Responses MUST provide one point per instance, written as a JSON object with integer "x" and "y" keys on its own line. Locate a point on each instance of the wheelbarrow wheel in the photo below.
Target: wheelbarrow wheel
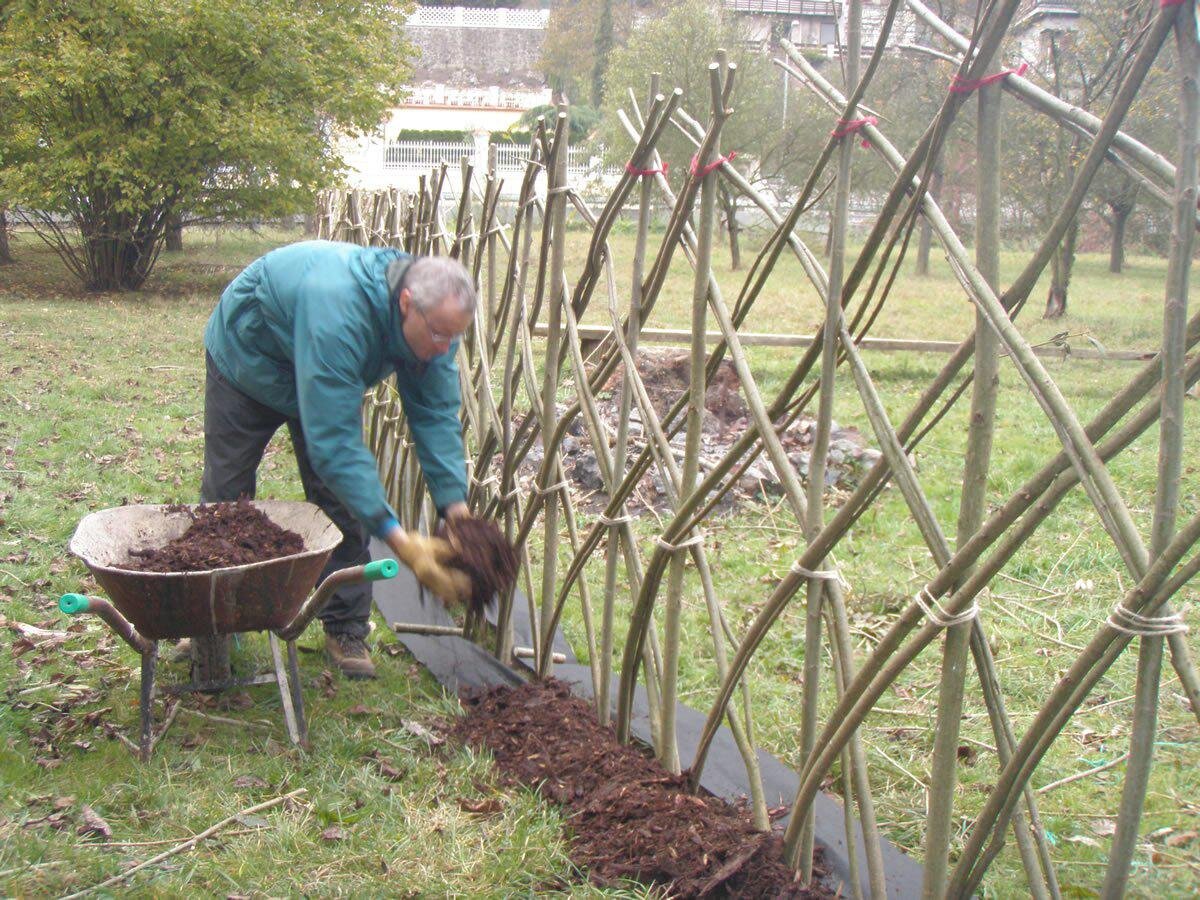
{"x": 210, "y": 660}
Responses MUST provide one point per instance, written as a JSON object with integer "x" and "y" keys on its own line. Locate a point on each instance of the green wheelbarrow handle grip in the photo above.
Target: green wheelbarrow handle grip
{"x": 380, "y": 570}
{"x": 73, "y": 604}
{"x": 372, "y": 571}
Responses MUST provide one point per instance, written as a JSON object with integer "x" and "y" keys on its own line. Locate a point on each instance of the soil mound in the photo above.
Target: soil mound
{"x": 221, "y": 535}
{"x": 631, "y": 819}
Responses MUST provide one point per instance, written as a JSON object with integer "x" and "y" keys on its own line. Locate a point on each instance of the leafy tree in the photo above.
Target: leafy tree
{"x": 1084, "y": 67}
{"x": 121, "y": 114}
{"x": 579, "y": 39}
{"x": 774, "y": 137}
{"x": 604, "y": 44}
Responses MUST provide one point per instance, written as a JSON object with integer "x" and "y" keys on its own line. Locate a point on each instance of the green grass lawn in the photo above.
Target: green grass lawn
{"x": 101, "y": 403}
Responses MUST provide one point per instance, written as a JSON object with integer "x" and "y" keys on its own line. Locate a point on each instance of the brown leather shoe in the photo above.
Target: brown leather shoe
{"x": 350, "y": 655}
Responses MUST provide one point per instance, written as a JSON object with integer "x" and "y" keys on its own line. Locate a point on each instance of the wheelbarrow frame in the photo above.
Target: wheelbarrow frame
{"x": 166, "y": 604}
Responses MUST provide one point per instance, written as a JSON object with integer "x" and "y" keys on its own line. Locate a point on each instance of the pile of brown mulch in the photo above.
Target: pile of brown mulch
{"x": 221, "y": 535}
{"x": 630, "y": 818}
{"x": 484, "y": 553}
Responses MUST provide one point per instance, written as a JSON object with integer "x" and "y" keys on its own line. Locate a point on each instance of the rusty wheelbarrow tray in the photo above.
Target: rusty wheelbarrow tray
{"x": 275, "y": 596}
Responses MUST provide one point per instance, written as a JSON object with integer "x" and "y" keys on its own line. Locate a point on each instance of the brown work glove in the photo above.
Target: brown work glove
{"x": 427, "y": 557}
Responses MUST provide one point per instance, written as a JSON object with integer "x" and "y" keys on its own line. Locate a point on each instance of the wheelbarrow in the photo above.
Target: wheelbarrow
{"x": 276, "y": 596}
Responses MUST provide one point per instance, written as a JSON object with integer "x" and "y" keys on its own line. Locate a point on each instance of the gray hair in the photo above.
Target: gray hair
{"x": 432, "y": 279}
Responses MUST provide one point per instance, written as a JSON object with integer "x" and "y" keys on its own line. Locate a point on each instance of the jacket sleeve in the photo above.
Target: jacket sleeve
{"x": 431, "y": 403}
{"x": 329, "y": 392}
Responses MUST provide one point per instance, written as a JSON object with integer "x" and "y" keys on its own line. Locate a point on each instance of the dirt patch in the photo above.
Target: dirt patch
{"x": 221, "y": 535}
{"x": 482, "y": 551}
{"x": 667, "y": 375}
{"x": 630, "y": 818}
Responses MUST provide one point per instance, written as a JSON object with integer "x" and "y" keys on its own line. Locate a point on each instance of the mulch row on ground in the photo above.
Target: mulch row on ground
{"x": 630, "y": 819}
{"x": 221, "y": 535}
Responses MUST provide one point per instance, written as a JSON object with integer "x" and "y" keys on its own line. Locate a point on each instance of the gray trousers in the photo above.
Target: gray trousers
{"x": 237, "y": 429}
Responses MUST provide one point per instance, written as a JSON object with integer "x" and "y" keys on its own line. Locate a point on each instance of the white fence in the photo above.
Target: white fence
{"x": 423, "y": 155}
{"x": 418, "y": 157}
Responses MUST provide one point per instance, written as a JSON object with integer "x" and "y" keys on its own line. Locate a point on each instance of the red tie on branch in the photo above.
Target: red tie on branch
{"x": 849, "y": 126}
{"x": 967, "y": 85}
{"x": 645, "y": 173}
{"x": 1167, "y": 4}
{"x": 699, "y": 172}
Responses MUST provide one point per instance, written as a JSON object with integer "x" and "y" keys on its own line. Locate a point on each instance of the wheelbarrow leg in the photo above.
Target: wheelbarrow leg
{"x": 149, "y": 664}
{"x": 285, "y": 691}
{"x": 297, "y": 694}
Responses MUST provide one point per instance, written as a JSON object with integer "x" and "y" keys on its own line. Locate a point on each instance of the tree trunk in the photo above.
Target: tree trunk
{"x": 1060, "y": 274}
{"x": 925, "y": 237}
{"x": 5, "y": 252}
{"x": 174, "y": 233}
{"x": 729, "y": 207}
{"x": 1116, "y": 252}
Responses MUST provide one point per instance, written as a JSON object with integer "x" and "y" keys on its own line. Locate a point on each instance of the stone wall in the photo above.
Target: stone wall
{"x": 471, "y": 56}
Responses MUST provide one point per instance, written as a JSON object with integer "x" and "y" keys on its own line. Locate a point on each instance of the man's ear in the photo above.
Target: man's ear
{"x": 405, "y": 301}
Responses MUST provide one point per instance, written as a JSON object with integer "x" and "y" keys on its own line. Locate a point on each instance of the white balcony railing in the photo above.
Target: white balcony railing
{"x": 463, "y": 17}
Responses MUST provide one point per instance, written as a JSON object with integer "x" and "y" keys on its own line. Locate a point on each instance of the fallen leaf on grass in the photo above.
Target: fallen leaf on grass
{"x": 416, "y": 729}
{"x": 485, "y": 806}
{"x": 252, "y": 821}
{"x": 64, "y": 802}
{"x": 249, "y": 781}
{"x": 386, "y": 769}
{"x": 361, "y": 709}
{"x": 93, "y": 824}
{"x": 1083, "y": 839}
{"x": 1105, "y": 827}
{"x": 236, "y": 700}
{"x": 325, "y": 684}
{"x": 1184, "y": 837}
{"x": 333, "y": 833}
{"x": 57, "y": 820}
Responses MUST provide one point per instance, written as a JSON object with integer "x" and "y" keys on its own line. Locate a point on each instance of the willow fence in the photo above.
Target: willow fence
{"x": 512, "y": 382}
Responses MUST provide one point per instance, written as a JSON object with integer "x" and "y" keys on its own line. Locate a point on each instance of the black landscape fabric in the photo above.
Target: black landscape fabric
{"x": 458, "y": 664}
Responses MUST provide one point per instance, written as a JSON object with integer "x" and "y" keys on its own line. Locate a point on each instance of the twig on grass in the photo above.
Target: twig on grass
{"x": 190, "y": 843}
{"x": 1086, "y": 773}
{"x": 159, "y": 843}
{"x": 33, "y": 868}
{"x": 14, "y": 578}
{"x": 223, "y": 720}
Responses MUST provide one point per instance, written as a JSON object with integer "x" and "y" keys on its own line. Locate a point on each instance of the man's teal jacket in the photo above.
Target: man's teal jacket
{"x": 305, "y": 330}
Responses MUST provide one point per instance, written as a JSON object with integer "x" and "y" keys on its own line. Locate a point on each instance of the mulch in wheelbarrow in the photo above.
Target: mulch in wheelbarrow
{"x": 630, "y": 818}
{"x": 221, "y": 535}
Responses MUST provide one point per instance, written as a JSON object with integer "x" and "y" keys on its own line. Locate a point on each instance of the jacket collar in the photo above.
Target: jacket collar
{"x": 397, "y": 347}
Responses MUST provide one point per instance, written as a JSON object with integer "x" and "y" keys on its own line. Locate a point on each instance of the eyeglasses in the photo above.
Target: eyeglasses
{"x": 436, "y": 336}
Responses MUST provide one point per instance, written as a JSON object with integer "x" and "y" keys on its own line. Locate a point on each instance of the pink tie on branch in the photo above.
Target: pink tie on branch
{"x": 1167, "y": 4}
{"x": 849, "y": 126}
{"x": 699, "y": 172}
{"x": 645, "y": 173}
{"x": 967, "y": 85}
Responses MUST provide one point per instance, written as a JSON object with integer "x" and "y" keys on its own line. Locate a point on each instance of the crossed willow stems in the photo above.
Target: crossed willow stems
{"x": 512, "y": 405}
